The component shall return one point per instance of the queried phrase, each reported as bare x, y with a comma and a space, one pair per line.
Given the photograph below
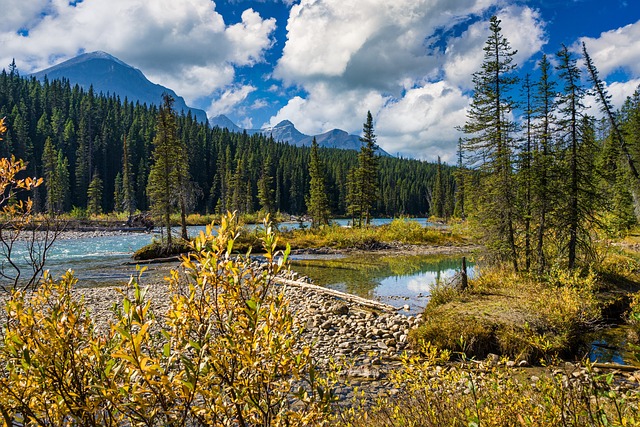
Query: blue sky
324, 63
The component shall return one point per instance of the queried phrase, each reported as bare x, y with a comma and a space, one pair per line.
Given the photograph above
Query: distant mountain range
110, 75
285, 131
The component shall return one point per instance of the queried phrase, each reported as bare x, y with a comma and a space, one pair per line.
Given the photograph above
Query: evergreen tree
364, 188
460, 176
163, 184
438, 193
525, 174
490, 139
544, 105
577, 140
128, 202
94, 195
62, 172
50, 169
118, 194
317, 202
265, 186
605, 105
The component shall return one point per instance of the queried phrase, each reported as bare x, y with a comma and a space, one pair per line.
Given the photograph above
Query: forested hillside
77, 141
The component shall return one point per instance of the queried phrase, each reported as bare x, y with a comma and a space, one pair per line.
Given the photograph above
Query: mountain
283, 131
110, 75
222, 122
286, 131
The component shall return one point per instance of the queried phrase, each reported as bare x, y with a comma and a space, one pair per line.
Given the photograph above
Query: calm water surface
392, 279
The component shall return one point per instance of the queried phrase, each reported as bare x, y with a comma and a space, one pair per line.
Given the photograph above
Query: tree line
96, 153
540, 173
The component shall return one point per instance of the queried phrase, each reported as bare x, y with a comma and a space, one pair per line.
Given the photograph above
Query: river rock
340, 309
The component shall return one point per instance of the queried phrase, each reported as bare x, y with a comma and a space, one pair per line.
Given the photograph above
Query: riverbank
369, 345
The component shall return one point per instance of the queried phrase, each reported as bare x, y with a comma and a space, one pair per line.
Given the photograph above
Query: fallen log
376, 305
617, 367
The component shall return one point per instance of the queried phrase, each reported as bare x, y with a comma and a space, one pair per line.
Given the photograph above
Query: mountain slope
108, 74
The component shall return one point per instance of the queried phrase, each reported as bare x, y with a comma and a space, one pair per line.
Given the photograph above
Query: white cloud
374, 55
328, 107
524, 29
619, 92
616, 49
422, 123
376, 43
229, 99
18, 14
183, 44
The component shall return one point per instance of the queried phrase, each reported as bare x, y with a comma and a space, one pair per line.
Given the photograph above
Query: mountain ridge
108, 74
286, 131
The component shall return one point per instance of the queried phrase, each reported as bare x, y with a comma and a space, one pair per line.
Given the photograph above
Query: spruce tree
544, 106
163, 185
364, 188
438, 193
490, 138
460, 176
118, 199
317, 202
94, 195
128, 201
49, 164
576, 134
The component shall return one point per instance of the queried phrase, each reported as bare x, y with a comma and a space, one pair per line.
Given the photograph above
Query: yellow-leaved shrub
227, 352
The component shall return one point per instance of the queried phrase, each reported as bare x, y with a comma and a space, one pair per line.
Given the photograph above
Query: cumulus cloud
19, 14
522, 26
368, 41
422, 124
376, 55
229, 99
616, 49
328, 107
183, 44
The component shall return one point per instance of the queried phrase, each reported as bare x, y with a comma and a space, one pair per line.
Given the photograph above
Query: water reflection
395, 280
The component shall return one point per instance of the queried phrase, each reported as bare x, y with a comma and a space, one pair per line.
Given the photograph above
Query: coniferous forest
79, 141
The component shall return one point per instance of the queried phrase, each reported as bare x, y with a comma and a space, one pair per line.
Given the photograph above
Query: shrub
226, 353
432, 395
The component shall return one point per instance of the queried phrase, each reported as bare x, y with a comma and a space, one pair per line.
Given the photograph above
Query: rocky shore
368, 342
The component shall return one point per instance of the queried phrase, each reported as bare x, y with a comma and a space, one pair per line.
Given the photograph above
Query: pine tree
605, 105
526, 170
163, 185
94, 195
265, 186
118, 194
460, 176
317, 202
571, 109
543, 193
364, 188
490, 139
49, 164
128, 201
63, 177
438, 193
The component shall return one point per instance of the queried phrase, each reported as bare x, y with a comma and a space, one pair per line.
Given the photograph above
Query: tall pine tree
490, 138
317, 202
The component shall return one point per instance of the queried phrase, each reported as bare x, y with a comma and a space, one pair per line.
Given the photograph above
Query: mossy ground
517, 315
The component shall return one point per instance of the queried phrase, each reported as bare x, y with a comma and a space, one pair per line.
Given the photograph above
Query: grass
398, 231
512, 314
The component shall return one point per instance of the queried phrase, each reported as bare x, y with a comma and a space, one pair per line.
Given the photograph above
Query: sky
322, 64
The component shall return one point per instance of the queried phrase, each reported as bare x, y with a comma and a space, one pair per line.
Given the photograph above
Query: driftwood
617, 367
376, 305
